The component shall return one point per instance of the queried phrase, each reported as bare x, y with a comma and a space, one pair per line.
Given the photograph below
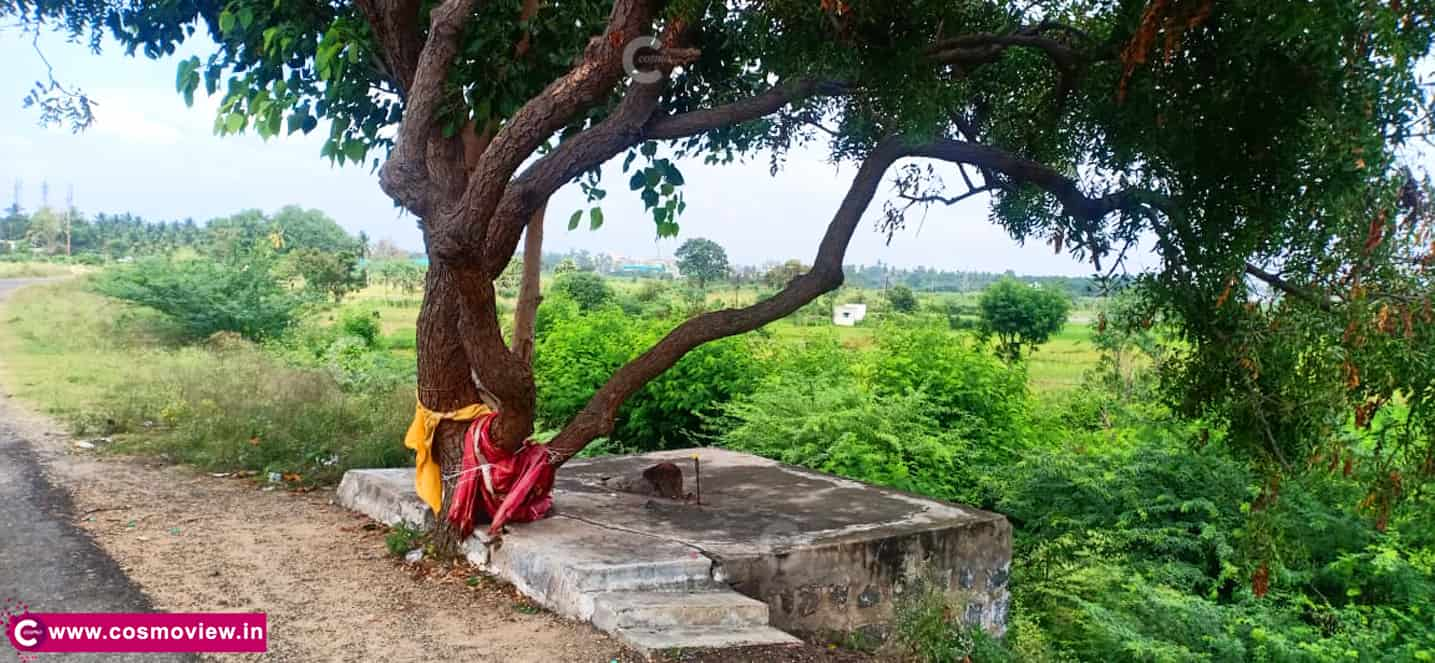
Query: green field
1056, 365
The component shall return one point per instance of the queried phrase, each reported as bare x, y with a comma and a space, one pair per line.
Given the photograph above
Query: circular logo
25, 631
636, 65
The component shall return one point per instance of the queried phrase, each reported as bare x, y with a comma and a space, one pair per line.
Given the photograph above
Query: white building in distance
848, 315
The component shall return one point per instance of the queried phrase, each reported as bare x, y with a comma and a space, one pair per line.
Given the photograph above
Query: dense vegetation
1252, 484
1141, 533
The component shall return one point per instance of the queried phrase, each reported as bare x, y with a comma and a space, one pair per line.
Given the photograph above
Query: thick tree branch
757, 106
462, 235
501, 375
968, 51
598, 416
525, 313
1075, 203
406, 176
395, 24
1275, 281
631, 123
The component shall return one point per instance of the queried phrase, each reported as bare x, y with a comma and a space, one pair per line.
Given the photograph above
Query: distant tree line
50, 231
928, 279
875, 277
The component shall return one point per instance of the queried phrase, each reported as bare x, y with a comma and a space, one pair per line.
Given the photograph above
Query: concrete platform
770, 546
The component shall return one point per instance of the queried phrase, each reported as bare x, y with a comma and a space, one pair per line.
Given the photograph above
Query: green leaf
310, 122
226, 22
354, 150
246, 17
637, 181
595, 218
628, 160
573, 220
233, 123
186, 78
650, 148
650, 198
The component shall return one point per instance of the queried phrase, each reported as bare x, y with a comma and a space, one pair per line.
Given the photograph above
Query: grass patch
116, 370
27, 270
1060, 363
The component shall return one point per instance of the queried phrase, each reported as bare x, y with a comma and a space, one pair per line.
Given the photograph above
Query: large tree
1258, 145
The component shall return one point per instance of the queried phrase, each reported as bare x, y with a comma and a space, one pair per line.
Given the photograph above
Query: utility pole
69, 209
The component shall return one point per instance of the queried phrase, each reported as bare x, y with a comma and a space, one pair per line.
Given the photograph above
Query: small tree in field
1262, 146
1021, 316
589, 290
702, 260
901, 299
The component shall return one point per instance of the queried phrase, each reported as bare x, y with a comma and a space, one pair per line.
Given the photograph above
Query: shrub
577, 351
206, 296
361, 323
402, 538
589, 290
968, 390
901, 299
845, 429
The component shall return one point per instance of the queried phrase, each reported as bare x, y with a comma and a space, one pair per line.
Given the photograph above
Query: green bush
969, 390
207, 296
843, 428
402, 538
589, 290
361, 323
901, 299
577, 351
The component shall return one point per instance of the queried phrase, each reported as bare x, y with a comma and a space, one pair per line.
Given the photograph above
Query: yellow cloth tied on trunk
428, 480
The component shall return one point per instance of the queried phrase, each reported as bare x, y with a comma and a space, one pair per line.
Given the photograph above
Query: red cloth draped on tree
515, 487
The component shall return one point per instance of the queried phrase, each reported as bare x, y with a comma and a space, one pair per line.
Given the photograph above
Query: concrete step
654, 640
615, 610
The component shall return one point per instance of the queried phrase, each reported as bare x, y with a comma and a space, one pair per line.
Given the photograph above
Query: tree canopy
1264, 149
702, 260
1021, 316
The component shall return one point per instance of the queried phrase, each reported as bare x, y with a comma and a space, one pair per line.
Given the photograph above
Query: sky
151, 155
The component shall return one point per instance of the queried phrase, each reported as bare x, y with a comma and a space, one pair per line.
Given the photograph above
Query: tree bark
444, 384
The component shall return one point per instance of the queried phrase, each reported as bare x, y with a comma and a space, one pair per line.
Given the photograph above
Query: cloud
137, 118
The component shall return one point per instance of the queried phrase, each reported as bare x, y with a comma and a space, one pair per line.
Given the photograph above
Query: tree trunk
525, 313
445, 383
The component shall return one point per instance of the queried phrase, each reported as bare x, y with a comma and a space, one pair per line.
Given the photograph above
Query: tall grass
26, 270
110, 369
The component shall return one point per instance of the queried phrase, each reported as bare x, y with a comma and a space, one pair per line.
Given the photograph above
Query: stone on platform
770, 545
